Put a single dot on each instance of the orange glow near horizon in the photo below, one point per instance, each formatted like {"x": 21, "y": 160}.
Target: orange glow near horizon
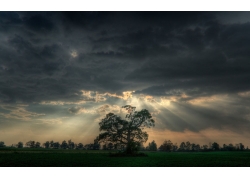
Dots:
{"x": 81, "y": 125}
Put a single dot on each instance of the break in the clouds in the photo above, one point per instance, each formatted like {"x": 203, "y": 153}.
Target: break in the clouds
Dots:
{"x": 60, "y": 72}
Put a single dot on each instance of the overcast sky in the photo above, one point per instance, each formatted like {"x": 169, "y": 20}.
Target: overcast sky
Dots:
{"x": 61, "y": 72}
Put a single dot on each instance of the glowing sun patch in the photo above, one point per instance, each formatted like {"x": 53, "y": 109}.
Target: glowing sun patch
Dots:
{"x": 74, "y": 54}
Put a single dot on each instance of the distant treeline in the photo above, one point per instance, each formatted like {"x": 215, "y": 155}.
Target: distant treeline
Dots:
{"x": 53, "y": 145}
{"x": 187, "y": 146}
{"x": 166, "y": 146}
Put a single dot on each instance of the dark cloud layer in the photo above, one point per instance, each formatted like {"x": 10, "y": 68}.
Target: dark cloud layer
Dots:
{"x": 117, "y": 51}
{"x": 53, "y": 56}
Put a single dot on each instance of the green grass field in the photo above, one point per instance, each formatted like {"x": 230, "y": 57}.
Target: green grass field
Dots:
{"x": 83, "y": 158}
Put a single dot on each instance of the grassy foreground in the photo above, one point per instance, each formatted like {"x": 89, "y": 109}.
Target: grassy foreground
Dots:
{"x": 83, "y": 158}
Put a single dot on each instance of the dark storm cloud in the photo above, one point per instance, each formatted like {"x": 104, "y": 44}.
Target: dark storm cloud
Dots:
{"x": 52, "y": 56}
{"x": 207, "y": 59}
{"x": 39, "y": 23}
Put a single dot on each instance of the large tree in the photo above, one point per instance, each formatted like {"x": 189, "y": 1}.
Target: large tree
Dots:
{"x": 127, "y": 131}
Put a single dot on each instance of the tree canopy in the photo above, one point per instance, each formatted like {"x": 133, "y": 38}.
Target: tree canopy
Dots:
{"x": 19, "y": 145}
{"x": 31, "y": 144}
{"x": 2, "y": 144}
{"x": 152, "y": 146}
{"x": 127, "y": 131}
{"x": 166, "y": 146}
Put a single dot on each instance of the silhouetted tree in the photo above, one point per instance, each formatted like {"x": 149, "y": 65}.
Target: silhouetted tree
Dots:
{"x": 64, "y": 145}
{"x": 126, "y": 131}
{"x": 241, "y": 146}
{"x": 51, "y": 143}
{"x": 188, "y": 146}
{"x": 46, "y": 144}
{"x": 56, "y": 145}
{"x": 152, "y": 146}
{"x": 71, "y": 144}
{"x": 89, "y": 146}
{"x": 197, "y": 147}
{"x": 166, "y": 146}
{"x": 79, "y": 146}
{"x": 37, "y": 145}
{"x": 205, "y": 147}
{"x": 237, "y": 147}
{"x": 175, "y": 147}
{"x": 2, "y": 144}
{"x": 31, "y": 144}
{"x": 192, "y": 146}
{"x": 19, "y": 145}
{"x": 231, "y": 147}
{"x": 224, "y": 147}
{"x": 215, "y": 146}
{"x": 182, "y": 146}
{"x": 96, "y": 146}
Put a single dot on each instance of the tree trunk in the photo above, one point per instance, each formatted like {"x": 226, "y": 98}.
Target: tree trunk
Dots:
{"x": 129, "y": 145}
